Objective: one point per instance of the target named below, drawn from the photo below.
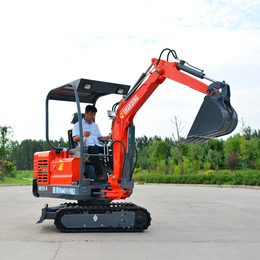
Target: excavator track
(111, 217)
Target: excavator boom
(215, 118)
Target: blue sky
(46, 44)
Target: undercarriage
(98, 217)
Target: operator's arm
(76, 138)
(104, 138)
(75, 133)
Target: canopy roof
(88, 90)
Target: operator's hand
(86, 134)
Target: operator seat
(73, 121)
(72, 144)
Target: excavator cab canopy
(88, 90)
(82, 91)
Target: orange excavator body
(66, 172)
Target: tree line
(168, 155)
(21, 154)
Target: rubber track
(74, 208)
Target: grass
(10, 180)
(24, 174)
(21, 177)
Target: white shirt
(94, 132)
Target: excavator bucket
(215, 118)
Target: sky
(46, 44)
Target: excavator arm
(215, 118)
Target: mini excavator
(67, 173)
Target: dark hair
(90, 108)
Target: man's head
(90, 113)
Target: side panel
(64, 171)
(51, 168)
(41, 169)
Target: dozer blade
(48, 212)
(215, 118)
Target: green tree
(247, 132)
(257, 163)
(196, 153)
(258, 147)
(5, 144)
(244, 139)
(207, 166)
(217, 147)
(28, 148)
(16, 154)
(195, 166)
(142, 145)
(256, 133)
(252, 147)
(187, 166)
(160, 152)
(162, 167)
(142, 142)
(232, 144)
(23, 152)
(243, 150)
(145, 148)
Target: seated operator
(91, 130)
